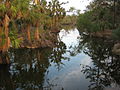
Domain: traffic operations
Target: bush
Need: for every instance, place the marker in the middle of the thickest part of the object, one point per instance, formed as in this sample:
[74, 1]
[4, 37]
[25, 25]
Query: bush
[86, 24]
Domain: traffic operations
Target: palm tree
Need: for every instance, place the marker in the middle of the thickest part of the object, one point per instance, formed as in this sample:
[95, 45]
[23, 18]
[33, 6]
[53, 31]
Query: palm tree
[5, 20]
[38, 15]
[56, 12]
[26, 14]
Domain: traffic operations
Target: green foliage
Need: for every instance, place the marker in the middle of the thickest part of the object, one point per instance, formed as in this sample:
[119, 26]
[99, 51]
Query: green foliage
[21, 5]
[85, 23]
[14, 10]
[22, 16]
[14, 39]
[2, 8]
[100, 15]
[14, 36]
[69, 20]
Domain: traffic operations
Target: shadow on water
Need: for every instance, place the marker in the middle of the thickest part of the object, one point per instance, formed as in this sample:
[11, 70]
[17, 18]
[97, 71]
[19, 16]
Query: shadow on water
[105, 71]
[33, 68]
[29, 66]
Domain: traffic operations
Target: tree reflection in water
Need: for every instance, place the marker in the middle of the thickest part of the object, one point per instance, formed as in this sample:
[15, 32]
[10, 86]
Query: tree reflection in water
[105, 71]
[29, 67]
[58, 54]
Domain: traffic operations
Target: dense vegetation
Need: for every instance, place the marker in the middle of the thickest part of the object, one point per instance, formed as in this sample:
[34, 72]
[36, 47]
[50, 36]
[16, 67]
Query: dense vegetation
[71, 18]
[101, 16]
[27, 21]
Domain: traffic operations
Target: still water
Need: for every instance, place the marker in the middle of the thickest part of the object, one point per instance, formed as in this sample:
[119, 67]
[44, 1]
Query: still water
[76, 63]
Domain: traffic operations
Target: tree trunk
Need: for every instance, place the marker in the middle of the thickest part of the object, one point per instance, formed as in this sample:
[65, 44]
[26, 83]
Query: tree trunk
[28, 33]
[37, 33]
[7, 3]
[6, 31]
[36, 1]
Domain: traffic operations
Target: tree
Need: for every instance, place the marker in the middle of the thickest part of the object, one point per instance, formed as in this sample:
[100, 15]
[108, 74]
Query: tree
[5, 20]
[104, 14]
[57, 12]
[19, 17]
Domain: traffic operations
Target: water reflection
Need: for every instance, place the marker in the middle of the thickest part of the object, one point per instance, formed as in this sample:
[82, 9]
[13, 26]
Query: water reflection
[4, 58]
[77, 62]
[57, 55]
[71, 39]
[29, 67]
[104, 72]
[6, 82]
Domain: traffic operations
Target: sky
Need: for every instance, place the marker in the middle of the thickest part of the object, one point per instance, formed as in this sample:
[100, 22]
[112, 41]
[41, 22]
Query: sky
[78, 4]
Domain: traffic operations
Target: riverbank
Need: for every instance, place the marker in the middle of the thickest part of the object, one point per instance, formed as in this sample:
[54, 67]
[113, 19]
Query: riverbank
[108, 35]
[46, 39]
[73, 60]
[102, 34]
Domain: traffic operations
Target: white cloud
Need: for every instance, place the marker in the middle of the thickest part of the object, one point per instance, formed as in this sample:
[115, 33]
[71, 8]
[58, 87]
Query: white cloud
[78, 4]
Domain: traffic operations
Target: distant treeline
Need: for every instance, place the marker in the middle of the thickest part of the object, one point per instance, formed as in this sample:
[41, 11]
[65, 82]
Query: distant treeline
[101, 15]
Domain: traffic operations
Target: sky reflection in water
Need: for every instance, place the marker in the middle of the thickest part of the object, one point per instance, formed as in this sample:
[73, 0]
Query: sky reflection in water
[70, 76]
[76, 63]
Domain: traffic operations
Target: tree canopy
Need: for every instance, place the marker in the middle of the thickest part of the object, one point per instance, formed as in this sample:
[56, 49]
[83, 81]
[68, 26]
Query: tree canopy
[19, 17]
[100, 15]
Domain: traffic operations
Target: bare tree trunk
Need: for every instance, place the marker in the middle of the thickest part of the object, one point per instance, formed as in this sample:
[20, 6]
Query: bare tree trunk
[7, 3]
[37, 1]
[37, 33]
[7, 39]
[28, 33]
